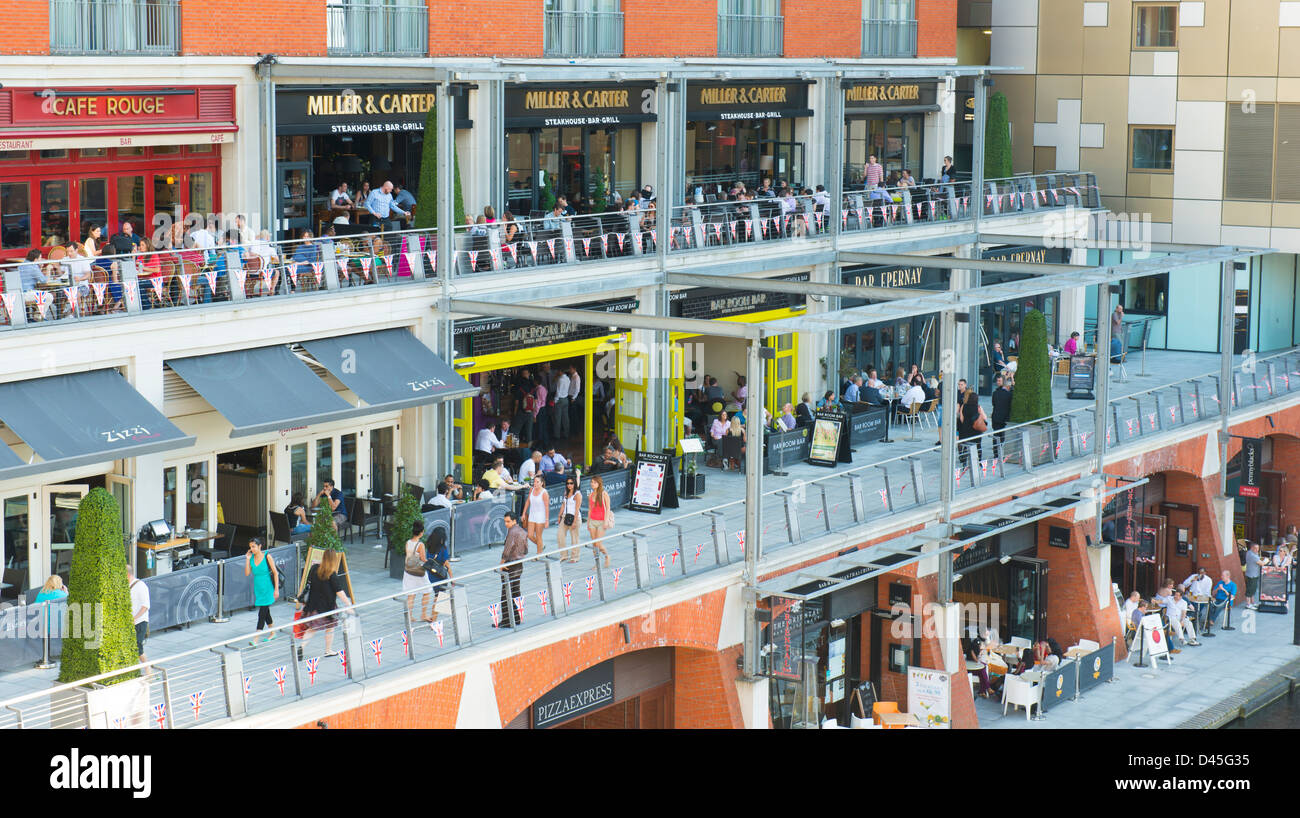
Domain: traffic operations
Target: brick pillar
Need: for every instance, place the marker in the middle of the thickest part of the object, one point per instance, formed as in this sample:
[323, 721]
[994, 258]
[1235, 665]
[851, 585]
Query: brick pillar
[1286, 459]
[1074, 609]
[704, 689]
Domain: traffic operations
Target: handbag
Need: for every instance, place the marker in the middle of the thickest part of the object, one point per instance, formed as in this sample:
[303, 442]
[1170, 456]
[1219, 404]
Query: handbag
[979, 424]
[414, 565]
[568, 519]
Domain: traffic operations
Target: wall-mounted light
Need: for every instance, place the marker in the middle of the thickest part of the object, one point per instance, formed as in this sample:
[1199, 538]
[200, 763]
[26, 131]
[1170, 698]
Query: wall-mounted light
[1005, 559]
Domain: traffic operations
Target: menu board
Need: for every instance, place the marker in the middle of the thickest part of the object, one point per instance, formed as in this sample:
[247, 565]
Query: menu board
[828, 445]
[652, 485]
[1082, 377]
[929, 696]
[1272, 588]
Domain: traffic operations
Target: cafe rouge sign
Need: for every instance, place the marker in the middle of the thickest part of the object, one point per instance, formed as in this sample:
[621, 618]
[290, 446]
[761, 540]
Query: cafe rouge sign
[60, 107]
[531, 106]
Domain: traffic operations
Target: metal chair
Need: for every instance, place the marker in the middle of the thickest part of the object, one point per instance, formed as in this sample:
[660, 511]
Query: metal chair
[280, 530]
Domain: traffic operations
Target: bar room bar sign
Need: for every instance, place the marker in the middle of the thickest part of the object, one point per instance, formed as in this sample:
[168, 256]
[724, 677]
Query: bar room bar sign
[1252, 457]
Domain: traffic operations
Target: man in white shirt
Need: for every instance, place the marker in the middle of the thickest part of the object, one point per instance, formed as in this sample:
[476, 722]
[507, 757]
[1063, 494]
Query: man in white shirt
[139, 610]
[915, 393]
[872, 380]
[1131, 605]
[487, 440]
[530, 467]
[1198, 587]
[439, 499]
[1179, 621]
[562, 406]
[202, 239]
[575, 388]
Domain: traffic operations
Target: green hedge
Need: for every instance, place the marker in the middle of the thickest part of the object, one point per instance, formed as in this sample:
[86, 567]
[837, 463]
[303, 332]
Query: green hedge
[404, 517]
[426, 214]
[997, 139]
[1032, 397]
[98, 578]
[322, 534]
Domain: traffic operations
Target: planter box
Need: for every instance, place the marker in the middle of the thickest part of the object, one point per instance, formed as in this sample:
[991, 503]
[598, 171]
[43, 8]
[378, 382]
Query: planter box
[100, 707]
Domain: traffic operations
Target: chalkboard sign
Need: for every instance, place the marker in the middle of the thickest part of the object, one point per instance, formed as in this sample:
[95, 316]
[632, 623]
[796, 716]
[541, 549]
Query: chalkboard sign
[830, 443]
[1083, 377]
[314, 555]
[653, 487]
[1272, 589]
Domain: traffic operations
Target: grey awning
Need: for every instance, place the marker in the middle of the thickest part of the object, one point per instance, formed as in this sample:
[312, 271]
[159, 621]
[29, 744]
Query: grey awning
[389, 369]
[76, 420]
[265, 389]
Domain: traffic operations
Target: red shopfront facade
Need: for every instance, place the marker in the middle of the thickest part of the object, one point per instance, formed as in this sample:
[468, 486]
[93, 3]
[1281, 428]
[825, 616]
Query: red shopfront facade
[71, 158]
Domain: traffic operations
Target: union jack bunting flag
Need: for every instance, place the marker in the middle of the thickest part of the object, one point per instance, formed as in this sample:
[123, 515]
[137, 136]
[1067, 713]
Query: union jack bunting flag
[618, 574]
[542, 598]
[406, 644]
[495, 610]
[884, 497]
[591, 583]
[437, 631]
[248, 685]
[662, 559]
[343, 660]
[740, 537]
[160, 715]
[519, 607]
[279, 678]
[377, 647]
[568, 592]
[699, 549]
[196, 703]
[313, 664]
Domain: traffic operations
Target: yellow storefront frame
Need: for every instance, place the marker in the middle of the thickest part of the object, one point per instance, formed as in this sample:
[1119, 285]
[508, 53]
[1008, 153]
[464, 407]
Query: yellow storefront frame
[769, 373]
[478, 364]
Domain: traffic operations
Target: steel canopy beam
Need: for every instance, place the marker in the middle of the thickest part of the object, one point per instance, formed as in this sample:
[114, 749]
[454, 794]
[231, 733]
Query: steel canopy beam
[947, 263]
[1090, 244]
[772, 285]
[592, 318]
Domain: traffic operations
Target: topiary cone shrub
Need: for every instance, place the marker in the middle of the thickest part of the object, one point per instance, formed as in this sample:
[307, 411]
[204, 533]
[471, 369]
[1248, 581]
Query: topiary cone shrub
[97, 582]
[322, 534]
[426, 215]
[404, 517]
[997, 139]
[1032, 397]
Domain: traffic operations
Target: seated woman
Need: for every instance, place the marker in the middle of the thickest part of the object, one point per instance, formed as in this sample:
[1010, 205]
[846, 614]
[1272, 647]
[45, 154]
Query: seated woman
[734, 431]
[296, 514]
[1026, 662]
[828, 402]
[719, 428]
[1044, 659]
[973, 650]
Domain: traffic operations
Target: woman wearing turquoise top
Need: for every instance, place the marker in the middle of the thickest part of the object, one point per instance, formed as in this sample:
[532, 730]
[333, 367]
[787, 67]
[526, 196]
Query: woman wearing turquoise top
[266, 583]
[52, 590]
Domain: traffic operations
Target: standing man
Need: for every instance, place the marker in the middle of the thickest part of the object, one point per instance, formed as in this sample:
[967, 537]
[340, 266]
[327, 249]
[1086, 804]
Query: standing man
[575, 405]
[1117, 325]
[1197, 587]
[1252, 575]
[380, 206]
[542, 413]
[562, 406]
[873, 172]
[516, 549]
[1001, 410]
[139, 610]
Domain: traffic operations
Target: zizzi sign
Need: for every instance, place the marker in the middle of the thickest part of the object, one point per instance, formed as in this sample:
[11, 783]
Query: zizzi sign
[590, 690]
[421, 386]
[128, 433]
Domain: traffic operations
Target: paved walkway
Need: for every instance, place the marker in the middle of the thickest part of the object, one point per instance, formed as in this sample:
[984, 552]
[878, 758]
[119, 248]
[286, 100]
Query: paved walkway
[1197, 680]
[684, 546]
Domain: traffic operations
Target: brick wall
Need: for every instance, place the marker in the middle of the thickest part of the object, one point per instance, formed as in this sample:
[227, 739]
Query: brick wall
[687, 28]
[1286, 459]
[704, 689]
[814, 28]
[27, 27]
[936, 28]
[247, 27]
[1072, 603]
[432, 706]
[486, 28]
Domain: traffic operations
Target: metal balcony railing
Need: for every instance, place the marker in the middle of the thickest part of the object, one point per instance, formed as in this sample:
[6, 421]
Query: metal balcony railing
[889, 38]
[377, 28]
[583, 34]
[750, 35]
[115, 26]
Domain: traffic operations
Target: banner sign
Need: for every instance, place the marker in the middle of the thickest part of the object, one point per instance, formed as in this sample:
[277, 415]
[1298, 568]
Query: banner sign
[1272, 588]
[867, 426]
[483, 336]
[929, 696]
[1252, 466]
[1096, 667]
[715, 302]
[865, 96]
[1060, 684]
[744, 100]
[360, 109]
[553, 106]
[590, 690]
[786, 448]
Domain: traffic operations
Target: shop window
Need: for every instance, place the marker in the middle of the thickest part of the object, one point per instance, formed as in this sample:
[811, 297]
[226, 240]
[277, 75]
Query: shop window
[627, 160]
[58, 153]
[93, 196]
[1147, 295]
[1151, 149]
[1155, 25]
[348, 463]
[121, 152]
[324, 460]
[201, 198]
[519, 172]
[169, 495]
[208, 148]
[292, 148]
[12, 156]
[15, 532]
[196, 495]
[54, 212]
[381, 462]
[298, 471]
[130, 203]
[167, 150]
[15, 215]
[93, 153]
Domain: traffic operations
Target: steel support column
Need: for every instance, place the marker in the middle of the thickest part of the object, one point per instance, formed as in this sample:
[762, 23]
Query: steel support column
[947, 439]
[1101, 391]
[754, 366]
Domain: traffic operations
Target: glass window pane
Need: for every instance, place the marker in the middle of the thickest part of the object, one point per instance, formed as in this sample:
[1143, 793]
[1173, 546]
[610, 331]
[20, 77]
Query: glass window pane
[201, 198]
[548, 160]
[627, 173]
[121, 152]
[196, 500]
[15, 215]
[166, 197]
[9, 156]
[94, 153]
[93, 196]
[59, 153]
[298, 470]
[1153, 148]
[166, 150]
[54, 212]
[598, 162]
[381, 461]
[169, 495]
[324, 460]
[200, 148]
[130, 203]
[519, 172]
[15, 533]
[348, 463]
[291, 148]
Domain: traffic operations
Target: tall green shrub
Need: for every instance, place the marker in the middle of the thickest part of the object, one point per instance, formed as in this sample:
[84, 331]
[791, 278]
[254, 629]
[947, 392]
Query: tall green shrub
[322, 534]
[426, 214]
[546, 195]
[600, 191]
[404, 517]
[98, 582]
[997, 139]
[1032, 397]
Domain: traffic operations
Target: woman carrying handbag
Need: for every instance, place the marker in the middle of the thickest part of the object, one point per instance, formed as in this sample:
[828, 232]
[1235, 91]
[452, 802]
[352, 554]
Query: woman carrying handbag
[414, 576]
[570, 520]
[599, 516]
[266, 584]
[537, 512]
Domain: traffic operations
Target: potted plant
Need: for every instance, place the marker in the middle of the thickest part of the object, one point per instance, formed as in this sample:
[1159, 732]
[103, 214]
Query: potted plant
[546, 195]
[399, 531]
[1031, 399]
[98, 587]
[427, 217]
[323, 534]
[600, 191]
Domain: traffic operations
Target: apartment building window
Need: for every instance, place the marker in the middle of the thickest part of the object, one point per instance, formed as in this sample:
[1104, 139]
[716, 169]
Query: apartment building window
[1151, 149]
[889, 28]
[115, 26]
[1155, 25]
[393, 28]
[750, 28]
[583, 28]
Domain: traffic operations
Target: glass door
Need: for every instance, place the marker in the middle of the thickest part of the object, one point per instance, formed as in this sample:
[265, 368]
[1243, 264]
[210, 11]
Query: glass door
[120, 488]
[630, 397]
[462, 438]
[1027, 614]
[295, 211]
[167, 199]
[677, 389]
[780, 375]
[59, 530]
[56, 212]
[382, 469]
[15, 543]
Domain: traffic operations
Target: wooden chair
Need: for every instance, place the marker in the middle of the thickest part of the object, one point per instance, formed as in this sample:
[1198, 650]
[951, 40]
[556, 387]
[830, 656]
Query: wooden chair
[255, 284]
[1062, 368]
[930, 411]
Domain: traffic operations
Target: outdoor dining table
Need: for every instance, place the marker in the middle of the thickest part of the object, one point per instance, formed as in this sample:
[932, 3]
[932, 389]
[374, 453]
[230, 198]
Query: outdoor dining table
[897, 721]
